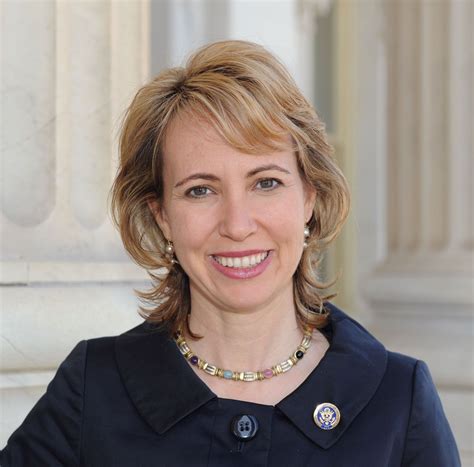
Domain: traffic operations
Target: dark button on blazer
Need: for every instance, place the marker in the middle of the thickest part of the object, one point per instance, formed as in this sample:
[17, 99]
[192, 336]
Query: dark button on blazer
[133, 401]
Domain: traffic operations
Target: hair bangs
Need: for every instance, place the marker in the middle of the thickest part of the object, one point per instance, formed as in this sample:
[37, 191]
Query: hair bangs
[240, 117]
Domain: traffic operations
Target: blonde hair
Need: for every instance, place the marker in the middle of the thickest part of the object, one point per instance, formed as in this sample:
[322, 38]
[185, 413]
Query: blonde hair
[253, 103]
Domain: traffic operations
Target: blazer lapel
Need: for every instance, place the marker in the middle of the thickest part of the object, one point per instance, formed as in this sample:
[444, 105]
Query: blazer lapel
[158, 379]
[347, 376]
[165, 389]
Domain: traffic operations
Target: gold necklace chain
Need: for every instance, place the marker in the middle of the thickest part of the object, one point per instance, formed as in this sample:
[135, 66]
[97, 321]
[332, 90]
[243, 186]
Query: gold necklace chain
[248, 376]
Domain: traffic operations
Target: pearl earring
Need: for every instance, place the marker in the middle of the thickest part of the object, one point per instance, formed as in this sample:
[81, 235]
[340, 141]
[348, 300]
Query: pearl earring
[170, 252]
[306, 235]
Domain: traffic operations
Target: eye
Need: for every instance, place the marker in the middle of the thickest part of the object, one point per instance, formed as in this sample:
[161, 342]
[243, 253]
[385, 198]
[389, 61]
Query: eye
[268, 184]
[197, 192]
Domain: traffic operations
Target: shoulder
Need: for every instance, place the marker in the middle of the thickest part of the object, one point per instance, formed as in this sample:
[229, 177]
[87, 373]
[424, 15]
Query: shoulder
[101, 345]
[101, 355]
[51, 432]
[401, 366]
[358, 351]
[403, 387]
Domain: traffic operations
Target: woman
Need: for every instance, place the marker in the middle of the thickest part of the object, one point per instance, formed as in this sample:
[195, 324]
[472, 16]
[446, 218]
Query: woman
[227, 181]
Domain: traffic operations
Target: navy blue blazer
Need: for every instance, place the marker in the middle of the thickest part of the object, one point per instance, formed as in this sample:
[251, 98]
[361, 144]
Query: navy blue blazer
[133, 401]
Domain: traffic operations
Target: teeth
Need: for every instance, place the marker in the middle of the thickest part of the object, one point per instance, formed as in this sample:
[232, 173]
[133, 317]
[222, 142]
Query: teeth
[242, 262]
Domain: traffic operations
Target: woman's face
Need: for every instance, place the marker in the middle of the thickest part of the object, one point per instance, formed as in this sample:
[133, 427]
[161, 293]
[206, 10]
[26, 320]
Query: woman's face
[225, 210]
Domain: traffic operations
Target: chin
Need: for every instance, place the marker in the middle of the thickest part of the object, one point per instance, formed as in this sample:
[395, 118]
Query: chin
[245, 300]
[244, 306]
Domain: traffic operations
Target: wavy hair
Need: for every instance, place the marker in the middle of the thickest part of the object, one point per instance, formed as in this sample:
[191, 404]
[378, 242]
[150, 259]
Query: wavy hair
[253, 103]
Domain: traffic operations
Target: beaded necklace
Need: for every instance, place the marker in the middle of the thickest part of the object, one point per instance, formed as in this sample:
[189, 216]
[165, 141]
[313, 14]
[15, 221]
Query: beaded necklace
[248, 376]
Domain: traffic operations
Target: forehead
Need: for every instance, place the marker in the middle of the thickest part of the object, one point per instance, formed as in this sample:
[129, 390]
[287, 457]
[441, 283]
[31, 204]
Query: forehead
[193, 143]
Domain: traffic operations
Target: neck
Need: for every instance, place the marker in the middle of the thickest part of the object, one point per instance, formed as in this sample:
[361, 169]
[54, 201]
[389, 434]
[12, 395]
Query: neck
[244, 341]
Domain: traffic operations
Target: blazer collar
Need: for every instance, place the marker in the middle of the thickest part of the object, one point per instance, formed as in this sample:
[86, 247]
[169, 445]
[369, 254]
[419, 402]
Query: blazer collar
[165, 389]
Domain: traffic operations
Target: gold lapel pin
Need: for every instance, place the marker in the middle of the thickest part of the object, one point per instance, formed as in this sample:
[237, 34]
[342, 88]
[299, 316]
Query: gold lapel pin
[326, 416]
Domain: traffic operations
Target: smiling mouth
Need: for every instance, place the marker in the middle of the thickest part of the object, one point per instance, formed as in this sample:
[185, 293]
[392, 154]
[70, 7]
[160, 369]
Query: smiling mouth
[241, 261]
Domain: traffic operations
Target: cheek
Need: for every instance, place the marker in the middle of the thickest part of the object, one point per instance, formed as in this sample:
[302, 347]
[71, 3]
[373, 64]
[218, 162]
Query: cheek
[285, 226]
[287, 215]
[191, 228]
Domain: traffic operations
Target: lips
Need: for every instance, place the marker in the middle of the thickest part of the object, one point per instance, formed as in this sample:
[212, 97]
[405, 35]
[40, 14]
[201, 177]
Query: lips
[241, 261]
[242, 272]
[238, 254]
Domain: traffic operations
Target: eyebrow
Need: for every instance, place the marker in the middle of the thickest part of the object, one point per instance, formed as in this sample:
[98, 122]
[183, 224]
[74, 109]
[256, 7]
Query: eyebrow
[214, 178]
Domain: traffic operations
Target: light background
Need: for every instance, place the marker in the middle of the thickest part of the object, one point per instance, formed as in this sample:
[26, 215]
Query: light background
[392, 79]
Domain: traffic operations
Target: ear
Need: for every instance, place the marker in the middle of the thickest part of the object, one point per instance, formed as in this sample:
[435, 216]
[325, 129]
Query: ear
[310, 201]
[160, 216]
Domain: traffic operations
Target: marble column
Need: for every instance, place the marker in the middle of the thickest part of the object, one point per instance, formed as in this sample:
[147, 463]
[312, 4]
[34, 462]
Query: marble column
[68, 71]
[414, 196]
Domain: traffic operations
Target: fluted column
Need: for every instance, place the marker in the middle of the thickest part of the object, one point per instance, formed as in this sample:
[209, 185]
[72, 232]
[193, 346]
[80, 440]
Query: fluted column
[414, 197]
[68, 71]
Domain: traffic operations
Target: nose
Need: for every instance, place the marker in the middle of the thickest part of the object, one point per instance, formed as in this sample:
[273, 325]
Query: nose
[237, 219]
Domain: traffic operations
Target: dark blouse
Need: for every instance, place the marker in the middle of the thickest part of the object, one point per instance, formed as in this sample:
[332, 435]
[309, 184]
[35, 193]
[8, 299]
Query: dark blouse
[133, 401]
